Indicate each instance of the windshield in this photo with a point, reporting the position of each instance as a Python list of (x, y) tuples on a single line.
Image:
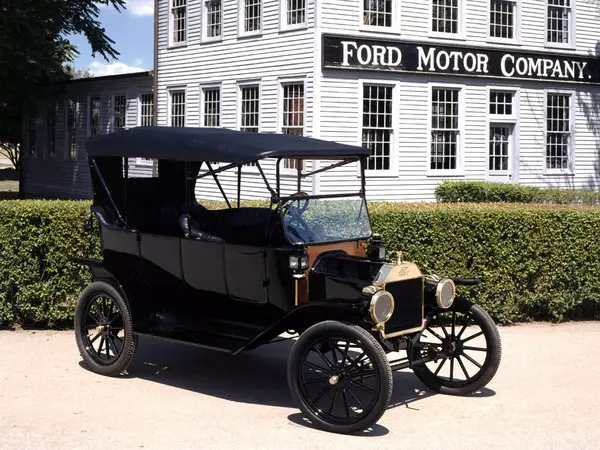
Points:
[(322, 220)]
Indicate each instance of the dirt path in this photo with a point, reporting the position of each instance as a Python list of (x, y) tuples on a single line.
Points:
[(546, 395)]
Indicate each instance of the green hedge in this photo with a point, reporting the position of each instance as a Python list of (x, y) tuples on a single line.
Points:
[(490, 192), (538, 262)]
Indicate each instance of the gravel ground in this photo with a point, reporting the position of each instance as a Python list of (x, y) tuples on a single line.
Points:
[(545, 395)]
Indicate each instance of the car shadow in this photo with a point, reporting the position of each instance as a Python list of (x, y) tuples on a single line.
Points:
[(258, 376)]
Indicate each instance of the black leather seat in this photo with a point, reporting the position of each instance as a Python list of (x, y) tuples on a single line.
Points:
[(191, 231)]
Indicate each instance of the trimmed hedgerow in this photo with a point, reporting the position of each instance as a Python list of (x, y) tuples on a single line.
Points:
[(538, 262), (491, 192)]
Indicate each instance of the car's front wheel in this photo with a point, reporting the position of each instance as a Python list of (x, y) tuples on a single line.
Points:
[(104, 330), (466, 343), (339, 376)]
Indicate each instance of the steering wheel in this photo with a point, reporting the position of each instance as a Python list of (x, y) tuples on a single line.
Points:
[(297, 210)]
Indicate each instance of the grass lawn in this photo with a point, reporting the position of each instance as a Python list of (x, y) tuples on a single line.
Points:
[(9, 184)]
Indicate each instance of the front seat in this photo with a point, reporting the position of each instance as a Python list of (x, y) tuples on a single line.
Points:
[(190, 231)]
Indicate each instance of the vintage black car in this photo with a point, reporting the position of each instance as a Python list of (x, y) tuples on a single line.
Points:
[(234, 279)]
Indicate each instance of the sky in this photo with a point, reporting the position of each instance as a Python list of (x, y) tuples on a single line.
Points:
[(133, 33)]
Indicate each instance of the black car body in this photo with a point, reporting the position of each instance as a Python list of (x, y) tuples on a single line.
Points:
[(236, 278)]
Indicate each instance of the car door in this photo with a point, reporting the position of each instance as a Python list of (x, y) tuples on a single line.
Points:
[(245, 273)]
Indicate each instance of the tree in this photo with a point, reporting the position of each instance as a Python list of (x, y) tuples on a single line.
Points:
[(34, 51)]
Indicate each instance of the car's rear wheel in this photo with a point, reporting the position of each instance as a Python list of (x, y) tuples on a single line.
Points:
[(339, 376), (468, 348), (104, 330)]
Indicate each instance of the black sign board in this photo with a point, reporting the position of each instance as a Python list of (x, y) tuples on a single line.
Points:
[(347, 52)]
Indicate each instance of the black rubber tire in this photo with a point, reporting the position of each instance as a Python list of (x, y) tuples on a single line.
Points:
[(376, 355), (120, 365), (490, 365)]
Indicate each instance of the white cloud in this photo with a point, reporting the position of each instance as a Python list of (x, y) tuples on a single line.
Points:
[(140, 7), (101, 69)]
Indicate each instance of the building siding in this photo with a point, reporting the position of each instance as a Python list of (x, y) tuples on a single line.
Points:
[(62, 176)]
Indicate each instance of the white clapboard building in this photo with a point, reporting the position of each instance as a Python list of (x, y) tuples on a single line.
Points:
[(504, 90)]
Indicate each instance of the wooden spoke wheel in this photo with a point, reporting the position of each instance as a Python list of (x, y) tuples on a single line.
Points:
[(339, 376), (103, 329), (467, 344)]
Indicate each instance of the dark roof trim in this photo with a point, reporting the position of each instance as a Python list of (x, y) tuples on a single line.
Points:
[(214, 144), (145, 73)]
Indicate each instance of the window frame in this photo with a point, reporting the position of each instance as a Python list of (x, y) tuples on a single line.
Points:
[(513, 120), (516, 40), (54, 102), (241, 18), (240, 86), (460, 169), (395, 85), (570, 170), (171, 26), (72, 156), (396, 19), (143, 161), (205, 36), (170, 91), (112, 112), (202, 109), (33, 118), (462, 24), (89, 115), (283, 10), (281, 83), (572, 28)]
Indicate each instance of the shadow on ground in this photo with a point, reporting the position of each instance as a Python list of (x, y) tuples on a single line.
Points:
[(258, 377)]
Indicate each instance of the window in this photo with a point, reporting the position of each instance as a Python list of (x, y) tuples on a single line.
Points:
[(71, 131), (251, 16), (213, 13), (445, 16), (559, 21), (250, 109), (51, 128), (558, 131), (502, 19), (377, 125), (445, 131), (211, 107), (119, 112), (377, 13), (295, 12), (32, 135), (177, 109), (293, 115), (94, 116), (178, 21), (501, 103), (499, 147), (147, 110)]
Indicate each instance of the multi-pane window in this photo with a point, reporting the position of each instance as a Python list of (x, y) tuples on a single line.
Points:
[(214, 18), (377, 13), (178, 21), (445, 129), (293, 115), (501, 103), (52, 107), (251, 15), (147, 110), (119, 112), (94, 116), (71, 131), (559, 21), (295, 12), (499, 147), (250, 108), (211, 107), (502, 19), (445, 16), (32, 135), (178, 108), (558, 131), (377, 126)]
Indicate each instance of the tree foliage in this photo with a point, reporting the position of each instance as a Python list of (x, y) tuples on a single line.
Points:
[(34, 48)]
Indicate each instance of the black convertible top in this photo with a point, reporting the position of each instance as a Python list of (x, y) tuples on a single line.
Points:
[(214, 144)]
